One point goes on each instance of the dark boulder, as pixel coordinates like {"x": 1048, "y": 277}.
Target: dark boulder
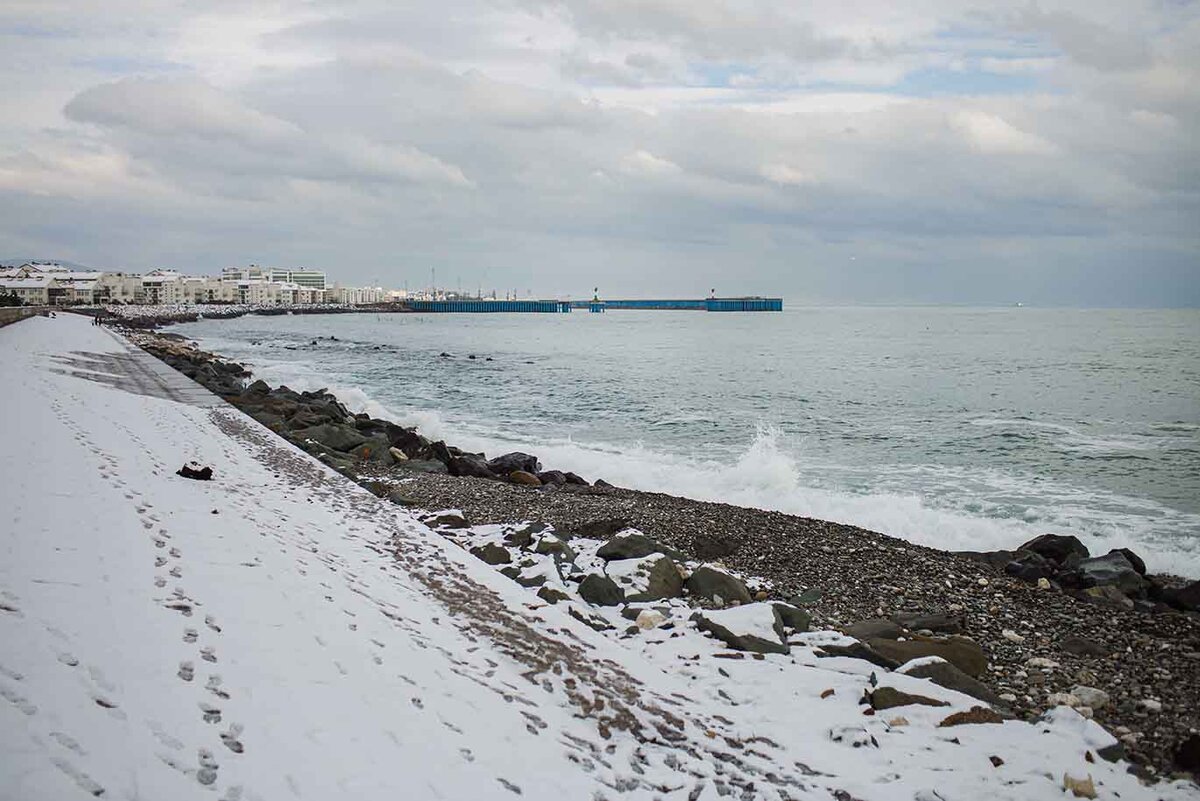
{"x": 890, "y": 698}
{"x": 1187, "y": 754}
{"x": 859, "y": 650}
{"x": 731, "y": 627}
{"x": 1138, "y": 564}
{"x": 1111, "y": 570}
{"x": 523, "y": 536}
{"x": 795, "y": 619}
{"x": 933, "y": 621}
{"x": 492, "y": 554}
{"x": 1057, "y": 548}
{"x": 578, "y": 481}
{"x": 338, "y": 438}
{"x": 1031, "y": 566}
{"x": 963, "y": 653}
{"x": 876, "y": 628}
{"x": 195, "y": 471}
{"x": 600, "y": 590}
{"x": 710, "y": 583}
{"x": 555, "y": 478}
{"x": 662, "y": 581}
{"x": 470, "y": 465}
{"x": 947, "y": 675}
{"x": 632, "y": 546}
{"x": 503, "y": 465}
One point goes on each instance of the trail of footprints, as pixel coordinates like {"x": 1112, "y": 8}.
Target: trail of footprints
{"x": 207, "y": 766}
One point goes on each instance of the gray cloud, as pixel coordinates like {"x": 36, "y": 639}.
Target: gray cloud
{"x": 650, "y": 147}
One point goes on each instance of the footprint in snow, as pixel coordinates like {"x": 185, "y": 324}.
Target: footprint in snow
{"x": 211, "y": 713}
{"x": 187, "y": 671}
{"x": 190, "y": 635}
{"x": 208, "y": 654}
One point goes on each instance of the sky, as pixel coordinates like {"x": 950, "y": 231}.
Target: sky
{"x": 864, "y": 151}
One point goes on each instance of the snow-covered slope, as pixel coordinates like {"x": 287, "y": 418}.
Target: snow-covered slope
{"x": 279, "y": 632}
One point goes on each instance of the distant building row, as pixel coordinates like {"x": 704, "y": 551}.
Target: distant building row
{"x": 52, "y": 284}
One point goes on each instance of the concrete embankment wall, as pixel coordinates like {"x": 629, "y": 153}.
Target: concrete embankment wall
{"x": 12, "y": 314}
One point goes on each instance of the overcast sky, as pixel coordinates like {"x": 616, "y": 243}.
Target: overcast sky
{"x": 857, "y": 151}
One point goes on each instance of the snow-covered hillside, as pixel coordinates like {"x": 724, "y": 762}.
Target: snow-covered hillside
{"x": 279, "y": 632}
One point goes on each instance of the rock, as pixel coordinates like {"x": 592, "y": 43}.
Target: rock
{"x": 1090, "y": 696}
{"x": 524, "y": 479}
{"x": 1187, "y": 754}
{"x": 492, "y": 554}
{"x": 1111, "y": 570}
{"x": 424, "y": 466}
{"x": 859, "y": 651}
{"x": 398, "y": 455}
{"x": 594, "y": 622}
{"x": 1031, "y": 567}
{"x": 975, "y": 715}
{"x": 555, "y": 546}
{"x": 963, "y": 653}
{"x": 337, "y": 437}
{"x": 946, "y": 675}
{"x": 553, "y": 478}
{"x": 1136, "y": 561}
{"x": 552, "y": 595}
{"x": 511, "y": 462}
{"x": 374, "y": 449}
{"x": 650, "y": 619}
{"x": 1043, "y": 583}
{"x": 1080, "y": 788}
{"x": 600, "y": 590}
{"x": 1106, "y": 596}
{"x": 1189, "y": 596}
{"x": 578, "y": 481}
{"x": 1012, "y": 636}
{"x": 873, "y": 629}
{"x": 446, "y": 520}
{"x": 522, "y": 537}
{"x": 936, "y": 621}
{"x": 1112, "y": 753}
{"x": 599, "y": 529}
{"x": 890, "y": 697}
{"x": 470, "y": 465}
{"x": 651, "y": 578}
{"x": 195, "y": 471}
{"x": 757, "y": 628}
{"x": 1057, "y": 548}
{"x": 711, "y": 583}
{"x": 632, "y": 544}
{"x": 794, "y": 619}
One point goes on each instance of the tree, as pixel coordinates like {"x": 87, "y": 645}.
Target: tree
{"x": 10, "y": 299}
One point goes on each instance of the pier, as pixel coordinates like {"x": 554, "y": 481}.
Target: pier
{"x": 485, "y": 306}
{"x": 746, "y": 304}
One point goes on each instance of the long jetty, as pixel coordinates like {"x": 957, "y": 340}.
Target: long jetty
{"x": 488, "y": 306}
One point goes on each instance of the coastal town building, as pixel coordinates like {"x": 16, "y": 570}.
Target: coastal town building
{"x": 50, "y": 283}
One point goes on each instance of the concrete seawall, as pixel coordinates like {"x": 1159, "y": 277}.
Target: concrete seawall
{"x": 14, "y": 314}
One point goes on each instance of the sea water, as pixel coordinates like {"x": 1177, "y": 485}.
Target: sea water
{"x": 951, "y": 427}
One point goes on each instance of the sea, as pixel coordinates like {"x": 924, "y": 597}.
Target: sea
{"x": 957, "y": 428}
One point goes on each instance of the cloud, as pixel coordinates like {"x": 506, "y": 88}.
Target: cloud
{"x": 541, "y": 143}
{"x": 989, "y": 133}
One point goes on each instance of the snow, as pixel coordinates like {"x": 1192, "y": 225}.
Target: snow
{"x": 748, "y": 620}
{"x": 351, "y": 652}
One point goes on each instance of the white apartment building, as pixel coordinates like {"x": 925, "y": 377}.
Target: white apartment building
{"x": 355, "y": 296}
{"x": 31, "y": 291}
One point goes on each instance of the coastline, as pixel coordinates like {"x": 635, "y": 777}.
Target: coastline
{"x": 1145, "y": 657}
